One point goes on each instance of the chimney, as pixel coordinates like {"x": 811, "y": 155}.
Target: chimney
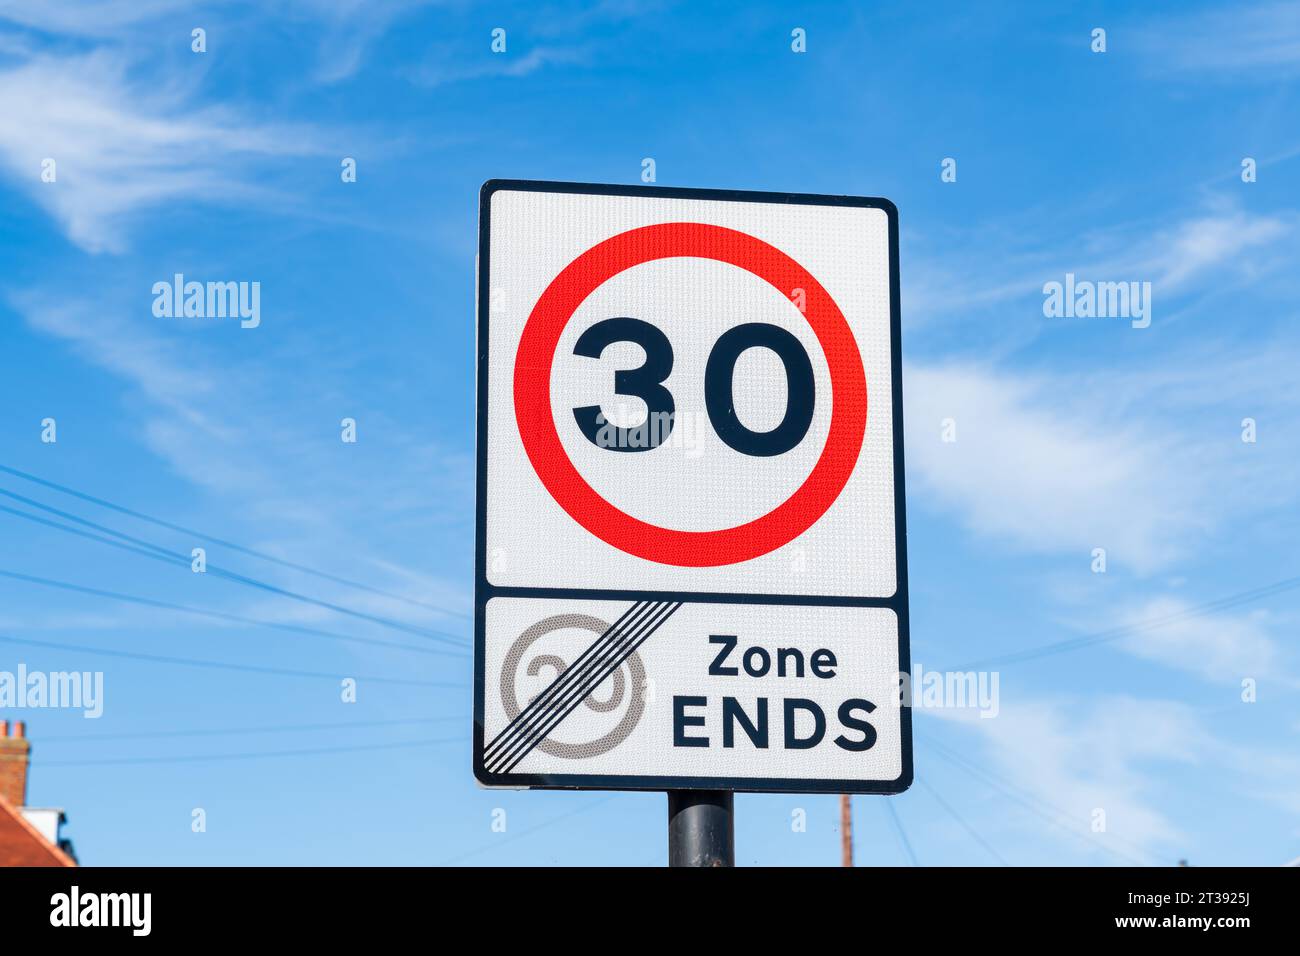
{"x": 14, "y": 751}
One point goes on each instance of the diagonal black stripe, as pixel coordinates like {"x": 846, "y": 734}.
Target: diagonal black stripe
{"x": 609, "y": 669}
{"x": 611, "y": 633}
{"x": 611, "y": 663}
{"x": 577, "y": 676}
{"x": 530, "y": 710}
{"x": 524, "y": 724}
{"x": 608, "y": 662}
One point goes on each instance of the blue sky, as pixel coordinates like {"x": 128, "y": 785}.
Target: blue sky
{"x": 1072, "y": 434}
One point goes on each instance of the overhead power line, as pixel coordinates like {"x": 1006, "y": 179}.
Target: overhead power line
{"x": 148, "y": 550}
{"x": 1053, "y": 815}
{"x": 223, "y": 616}
{"x": 221, "y": 665}
{"x": 902, "y": 834}
{"x": 974, "y": 834}
{"x": 255, "y": 755}
{"x": 240, "y": 731}
{"x": 252, "y": 552}
{"x": 1100, "y": 637}
{"x": 558, "y": 818}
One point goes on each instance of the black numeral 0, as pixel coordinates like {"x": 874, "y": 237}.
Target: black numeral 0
{"x": 646, "y": 383}
{"x": 720, "y": 402}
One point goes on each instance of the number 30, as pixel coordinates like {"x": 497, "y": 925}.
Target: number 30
{"x": 646, "y": 383}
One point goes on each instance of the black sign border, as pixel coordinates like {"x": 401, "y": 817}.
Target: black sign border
{"x": 485, "y": 591}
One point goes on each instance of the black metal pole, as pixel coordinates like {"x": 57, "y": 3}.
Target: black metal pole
{"x": 701, "y": 828}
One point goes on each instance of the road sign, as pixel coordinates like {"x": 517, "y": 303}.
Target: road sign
{"x": 691, "y": 564}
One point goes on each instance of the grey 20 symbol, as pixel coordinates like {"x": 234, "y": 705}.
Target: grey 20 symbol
{"x": 636, "y": 671}
{"x": 646, "y": 383}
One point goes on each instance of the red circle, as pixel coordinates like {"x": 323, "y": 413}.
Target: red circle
{"x": 536, "y": 355}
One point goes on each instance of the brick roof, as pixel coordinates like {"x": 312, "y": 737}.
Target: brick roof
{"x": 21, "y": 844}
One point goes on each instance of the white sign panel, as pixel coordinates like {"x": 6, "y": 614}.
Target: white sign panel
{"x": 691, "y": 564}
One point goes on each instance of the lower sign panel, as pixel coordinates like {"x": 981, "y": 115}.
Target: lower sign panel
{"x": 663, "y": 695}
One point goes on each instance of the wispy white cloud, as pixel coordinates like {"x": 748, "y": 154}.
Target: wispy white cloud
{"x": 1258, "y": 42}
{"x": 225, "y": 425}
{"x": 1219, "y": 243}
{"x": 347, "y": 29}
{"x": 343, "y": 29}
{"x": 443, "y": 68}
{"x": 87, "y": 18}
{"x": 1146, "y": 462}
{"x": 1222, "y": 648}
{"x": 1197, "y": 247}
{"x": 1043, "y": 474}
{"x": 179, "y": 381}
{"x": 121, "y": 146}
{"x": 126, "y": 134}
{"x": 1069, "y": 757}
{"x": 537, "y": 39}
{"x": 1072, "y": 758}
